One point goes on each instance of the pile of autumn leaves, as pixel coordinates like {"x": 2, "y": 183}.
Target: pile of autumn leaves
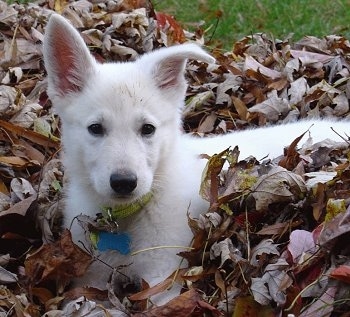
{"x": 274, "y": 241}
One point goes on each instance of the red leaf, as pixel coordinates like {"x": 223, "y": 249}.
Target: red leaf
{"x": 342, "y": 273}
{"x": 169, "y": 25}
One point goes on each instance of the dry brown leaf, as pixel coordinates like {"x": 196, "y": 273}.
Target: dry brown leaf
{"x": 311, "y": 56}
{"x": 335, "y": 227}
{"x": 29, "y": 134}
{"x": 181, "y": 306}
{"x": 275, "y": 229}
{"x": 248, "y": 307}
{"x": 90, "y": 293}
{"x": 279, "y": 185}
{"x": 15, "y": 161}
{"x": 240, "y": 107}
{"x": 20, "y": 208}
{"x": 297, "y": 90}
{"x": 291, "y": 157}
{"x": 251, "y": 63}
{"x": 272, "y": 108}
{"x": 209, "y": 186}
{"x": 147, "y": 293}
{"x": 30, "y": 152}
{"x": 61, "y": 261}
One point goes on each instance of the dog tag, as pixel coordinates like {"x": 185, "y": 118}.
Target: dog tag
{"x": 113, "y": 241}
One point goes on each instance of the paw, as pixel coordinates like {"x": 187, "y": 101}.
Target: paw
{"x": 125, "y": 283}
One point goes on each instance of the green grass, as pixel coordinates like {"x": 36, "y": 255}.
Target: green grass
{"x": 238, "y": 18}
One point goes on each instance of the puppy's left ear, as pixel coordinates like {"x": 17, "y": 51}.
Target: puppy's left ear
{"x": 167, "y": 65}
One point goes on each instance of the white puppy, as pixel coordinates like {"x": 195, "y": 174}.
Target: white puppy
{"x": 124, "y": 150}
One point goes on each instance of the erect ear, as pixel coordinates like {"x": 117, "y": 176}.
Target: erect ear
{"x": 167, "y": 65}
{"x": 67, "y": 60}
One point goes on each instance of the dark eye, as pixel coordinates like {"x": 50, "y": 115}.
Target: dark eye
{"x": 148, "y": 129}
{"x": 96, "y": 129}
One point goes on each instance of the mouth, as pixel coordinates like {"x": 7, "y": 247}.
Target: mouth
{"x": 127, "y": 207}
{"x": 121, "y": 199}
{"x": 116, "y": 200}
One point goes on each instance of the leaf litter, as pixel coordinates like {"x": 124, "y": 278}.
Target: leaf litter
{"x": 274, "y": 241}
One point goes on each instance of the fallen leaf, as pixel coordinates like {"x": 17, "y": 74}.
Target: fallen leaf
{"x": 62, "y": 261}
{"x": 264, "y": 247}
{"x": 279, "y": 185}
{"x": 323, "y": 306}
{"x": 20, "y": 208}
{"x": 248, "y": 307}
{"x": 341, "y": 273}
{"x": 6, "y": 277}
{"x": 301, "y": 245}
{"x": 260, "y": 291}
{"x": 273, "y": 108}
{"x": 90, "y": 293}
{"x": 29, "y": 134}
{"x": 275, "y": 229}
{"x": 147, "y": 293}
{"x": 226, "y": 251}
{"x": 181, "y": 306}
{"x": 251, "y": 63}
{"x": 335, "y": 227}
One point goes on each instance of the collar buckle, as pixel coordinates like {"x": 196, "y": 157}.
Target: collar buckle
{"x": 112, "y": 225}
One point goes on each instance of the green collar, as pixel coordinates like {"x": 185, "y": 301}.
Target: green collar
{"x": 126, "y": 210}
{"x": 105, "y": 236}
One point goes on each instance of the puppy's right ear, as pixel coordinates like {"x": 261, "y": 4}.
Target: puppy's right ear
{"x": 67, "y": 60}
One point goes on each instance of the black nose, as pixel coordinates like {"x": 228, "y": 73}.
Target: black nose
{"x": 123, "y": 183}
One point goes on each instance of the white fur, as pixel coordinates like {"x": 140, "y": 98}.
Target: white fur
{"x": 122, "y": 97}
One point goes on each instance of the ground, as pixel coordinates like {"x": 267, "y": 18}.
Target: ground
{"x": 256, "y": 252}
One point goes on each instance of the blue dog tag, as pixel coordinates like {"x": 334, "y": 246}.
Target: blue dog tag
{"x": 113, "y": 241}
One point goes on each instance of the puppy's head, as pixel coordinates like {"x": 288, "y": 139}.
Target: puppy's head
{"x": 119, "y": 120}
